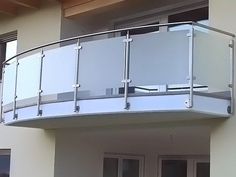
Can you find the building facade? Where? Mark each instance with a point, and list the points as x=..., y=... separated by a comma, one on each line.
x=117, y=88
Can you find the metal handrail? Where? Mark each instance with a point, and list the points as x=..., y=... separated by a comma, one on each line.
x=119, y=30
x=214, y=29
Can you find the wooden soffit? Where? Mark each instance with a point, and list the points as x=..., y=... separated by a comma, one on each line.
x=10, y=7
x=76, y=7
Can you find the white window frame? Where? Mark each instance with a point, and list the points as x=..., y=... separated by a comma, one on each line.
x=5, y=152
x=121, y=157
x=191, y=163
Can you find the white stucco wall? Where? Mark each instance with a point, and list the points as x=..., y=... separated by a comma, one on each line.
x=32, y=151
x=223, y=144
x=80, y=153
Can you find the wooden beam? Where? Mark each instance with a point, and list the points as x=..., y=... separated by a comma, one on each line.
x=71, y=3
x=88, y=6
x=7, y=8
x=27, y=3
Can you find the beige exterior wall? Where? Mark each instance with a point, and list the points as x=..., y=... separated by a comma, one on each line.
x=223, y=144
x=36, y=27
x=32, y=151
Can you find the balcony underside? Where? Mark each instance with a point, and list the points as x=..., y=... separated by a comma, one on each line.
x=57, y=110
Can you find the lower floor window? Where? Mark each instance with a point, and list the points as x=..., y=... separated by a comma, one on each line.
x=184, y=167
x=4, y=163
x=122, y=166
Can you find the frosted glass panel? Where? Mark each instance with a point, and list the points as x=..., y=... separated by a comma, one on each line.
x=9, y=83
x=59, y=70
x=159, y=59
x=101, y=66
x=212, y=61
x=28, y=76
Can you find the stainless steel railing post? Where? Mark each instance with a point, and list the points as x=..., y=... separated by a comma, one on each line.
x=231, y=85
x=40, y=91
x=15, y=115
x=189, y=102
x=126, y=80
x=77, y=85
x=1, y=112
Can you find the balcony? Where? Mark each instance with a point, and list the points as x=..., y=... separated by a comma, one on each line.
x=176, y=75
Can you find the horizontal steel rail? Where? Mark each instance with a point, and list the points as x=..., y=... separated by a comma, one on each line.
x=119, y=30
x=214, y=29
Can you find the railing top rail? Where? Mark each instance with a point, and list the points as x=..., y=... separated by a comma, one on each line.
x=119, y=30
x=214, y=29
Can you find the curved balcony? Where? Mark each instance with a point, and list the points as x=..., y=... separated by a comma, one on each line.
x=179, y=74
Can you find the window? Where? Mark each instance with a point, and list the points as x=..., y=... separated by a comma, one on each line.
x=4, y=163
x=184, y=166
x=8, y=47
x=123, y=166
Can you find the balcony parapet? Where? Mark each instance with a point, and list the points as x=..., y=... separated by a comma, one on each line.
x=184, y=71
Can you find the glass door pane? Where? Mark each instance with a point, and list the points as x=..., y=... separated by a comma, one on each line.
x=110, y=167
x=4, y=165
x=130, y=168
x=174, y=168
x=203, y=169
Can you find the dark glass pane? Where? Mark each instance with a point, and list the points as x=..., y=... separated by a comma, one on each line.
x=142, y=31
x=192, y=15
x=4, y=165
x=203, y=169
x=110, y=167
x=130, y=168
x=174, y=168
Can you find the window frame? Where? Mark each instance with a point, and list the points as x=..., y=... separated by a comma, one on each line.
x=192, y=161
